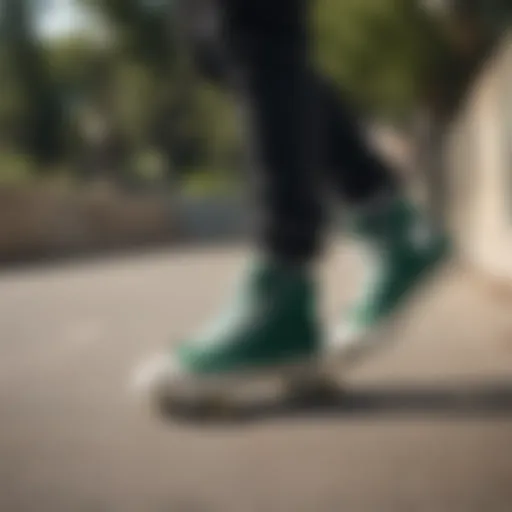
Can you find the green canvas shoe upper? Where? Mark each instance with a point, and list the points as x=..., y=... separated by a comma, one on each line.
x=404, y=250
x=271, y=321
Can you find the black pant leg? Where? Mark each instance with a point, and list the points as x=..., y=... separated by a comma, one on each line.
x=260, y=47
x=352, y=166
x=267, y=45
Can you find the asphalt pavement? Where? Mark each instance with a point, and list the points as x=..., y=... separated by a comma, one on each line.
x=426, y=426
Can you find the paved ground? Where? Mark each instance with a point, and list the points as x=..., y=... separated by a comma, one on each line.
x=427, y=426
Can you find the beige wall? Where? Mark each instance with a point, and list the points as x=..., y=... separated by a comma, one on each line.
x=479, y=160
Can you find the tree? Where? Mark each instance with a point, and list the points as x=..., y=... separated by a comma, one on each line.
x=149, y=50
x=381, y=51
x=38, y=127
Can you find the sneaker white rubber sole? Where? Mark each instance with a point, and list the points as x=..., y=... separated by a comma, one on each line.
x=168, y=388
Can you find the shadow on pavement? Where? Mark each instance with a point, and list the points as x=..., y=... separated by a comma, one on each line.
x=458, y=401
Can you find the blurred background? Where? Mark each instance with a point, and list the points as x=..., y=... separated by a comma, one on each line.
x=108, y=136
x=110, y=140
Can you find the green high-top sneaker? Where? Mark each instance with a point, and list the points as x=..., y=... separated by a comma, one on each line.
x=270, y=326
x=404, y=249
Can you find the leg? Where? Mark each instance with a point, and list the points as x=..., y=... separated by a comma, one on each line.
x=384, y=219
x=349, y=165
x=268, y=44
x=272, y=322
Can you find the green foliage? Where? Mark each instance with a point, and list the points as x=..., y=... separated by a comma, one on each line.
x=31, y=107
x=380, y=51
x=141, y=29
x=14, y=109
x=73, y=61
x=134, y=99
x=210, y=182
x=16, y=168
x=387, y=54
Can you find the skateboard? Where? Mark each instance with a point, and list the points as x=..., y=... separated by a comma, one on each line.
x=247, y=396
x=308, y=384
